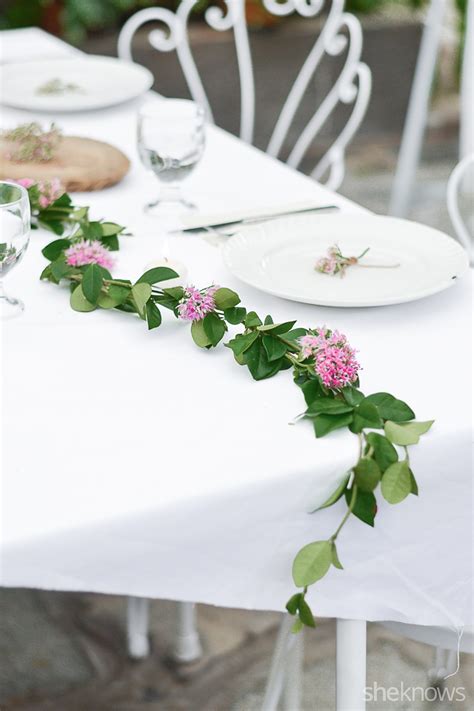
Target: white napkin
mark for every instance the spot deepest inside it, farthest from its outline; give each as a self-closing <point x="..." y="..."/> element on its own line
<point x="196" y="221"/>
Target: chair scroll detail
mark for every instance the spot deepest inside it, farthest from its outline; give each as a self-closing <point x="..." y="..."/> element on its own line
<point x="455" y="184"/>
<point x="341" y="32"/>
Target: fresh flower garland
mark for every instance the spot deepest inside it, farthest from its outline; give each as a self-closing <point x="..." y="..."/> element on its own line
<point x="323" y="364"/>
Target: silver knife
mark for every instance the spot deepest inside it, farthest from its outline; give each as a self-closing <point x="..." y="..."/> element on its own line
<point x="259" y="218"/>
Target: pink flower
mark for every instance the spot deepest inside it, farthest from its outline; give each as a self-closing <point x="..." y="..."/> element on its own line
<point x="334" y="359"/>
<point x="326" y="265"/>
<point x="50" y="190"/>
<point x="196" y="304"/>
<point x="25" y="182"/>
<point x="88" y="252"/>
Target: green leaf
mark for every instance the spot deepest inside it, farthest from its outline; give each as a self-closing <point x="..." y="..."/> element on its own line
<point x="252" y="320"/>
<point x="311" y="390"/>
<point x="293" y="603"/>
<point x="396" y="482"/>
<point x="255" y="358"/>
<point x="366" y="415"/>
<point x="105" y="301"/>
<point x="214" y="328"/>
<point x="153" y="315"/>
<point x="277" y="328"/>
<point x="79" y="302"/>
<point x="295" y="334"/>
<point x="119" y="293"/>
<point x="153" y="276"/>
<point x="312" y="563"/>
<point x="110" y="228"/>
<point x="92" y="281"/>
<point x="367" y="474"/>
<point x="390" y="408"/>
<point x="352" y="396"/>
<point x="413" y="484"/>
<point x="365" y="507"/>
<point x="335" y="558"/>
<point x="242" y="342"/>
<point x="53" y="250"/>
<point x="199" y="335"/>
<point x="297" y="626"/>
<point x="60" y="269"/>
<point x="235" y="315"/>
<point x="329" y="406"/>
<point x="323" y="424"/>
<point x="111" y="243"/>
<point x="176" y="292"/>
<point x="226" y="298"/>
<point x="141" y="292"/>
<point x="274" y="348"/>
<point x="305" y="614"/>
<point x="384" y="451"/>
<point x="335" y="496"/>
<point x="406" y="434"/>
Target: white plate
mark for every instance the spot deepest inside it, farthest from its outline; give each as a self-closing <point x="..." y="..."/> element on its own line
<point x="101" y="82"/>
<point x="279" y="258"/>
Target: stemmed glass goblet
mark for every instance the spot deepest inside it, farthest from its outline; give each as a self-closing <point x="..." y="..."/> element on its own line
<point x="14" y="237"/>
<point x="171" y="140"/>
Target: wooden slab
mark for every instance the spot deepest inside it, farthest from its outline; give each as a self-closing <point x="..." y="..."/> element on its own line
<point x="82" y="164"/>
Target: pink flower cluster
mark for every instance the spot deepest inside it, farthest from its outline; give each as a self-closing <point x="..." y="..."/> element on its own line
<point x="334" y="358"/>
<point x="48" y="190"/>
<point x="88" y="252"/>
<point x="195" y="304"/>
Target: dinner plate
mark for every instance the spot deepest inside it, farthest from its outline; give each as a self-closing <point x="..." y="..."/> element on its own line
<point x="279" y="258"/>
<point x="75" y="84"/>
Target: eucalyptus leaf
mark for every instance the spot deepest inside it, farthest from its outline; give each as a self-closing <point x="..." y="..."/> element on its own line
<point x="293" y="603"/>
<point x="352" y="396"/>
<point x="328" y="405"/>
<point x="105" y="301"/>
<point x="277" y="328"/>
<point x="252" y="320"/>
<point x="119" y="293"/>
<point x="396" y="482"/>
<point x="242" y="342"/>
<point x="274" y="348"/>
<point x="53" y="250"/>
<point x="312" y="563"/>
<point x="413" y="484"/>
<point x="365" y="507"/>
<point x="297" y="626"/>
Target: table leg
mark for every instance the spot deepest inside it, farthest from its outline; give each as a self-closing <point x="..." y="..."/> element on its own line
<point x="137" y="627"/>
<point x="187" y="645"/>
<point x="276" y="677"/>
<point x="351" y="661"/>
<point x="293" y="688"/>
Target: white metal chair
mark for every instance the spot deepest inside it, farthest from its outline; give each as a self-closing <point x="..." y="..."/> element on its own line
<point x="417" y="114"/>
<point x="457" y="181"/>
<point x="340" y="33"/>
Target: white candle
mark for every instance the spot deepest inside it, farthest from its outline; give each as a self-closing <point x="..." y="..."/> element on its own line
<point x="176" y="266"/>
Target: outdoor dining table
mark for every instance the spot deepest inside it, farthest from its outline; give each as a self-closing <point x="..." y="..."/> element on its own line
<point x="135" y="463"/>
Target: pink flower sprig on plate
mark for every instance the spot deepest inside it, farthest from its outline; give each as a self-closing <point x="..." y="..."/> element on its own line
<point x="336" y="262"/>
<point x="197" y="303"/>
<point x="86" y="252"/>
<point x="334" y="359"/>
<point x="30" y="144"/>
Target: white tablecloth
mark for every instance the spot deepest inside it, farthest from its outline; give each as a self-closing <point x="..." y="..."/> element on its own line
<point x="135" y="463"/>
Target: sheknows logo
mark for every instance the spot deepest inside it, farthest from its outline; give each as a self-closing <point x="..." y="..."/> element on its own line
<point x="413" y="693"/>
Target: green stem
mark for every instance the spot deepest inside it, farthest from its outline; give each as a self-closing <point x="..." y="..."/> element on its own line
<point x="347" y="514"/>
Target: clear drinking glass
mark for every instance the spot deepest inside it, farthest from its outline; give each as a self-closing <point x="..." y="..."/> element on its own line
<point x="14" y="238"/>
<point x="171" y="139"/>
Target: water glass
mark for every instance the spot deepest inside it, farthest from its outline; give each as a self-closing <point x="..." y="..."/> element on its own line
<point x="14" y="238"/>
<point x="171" y="140"/>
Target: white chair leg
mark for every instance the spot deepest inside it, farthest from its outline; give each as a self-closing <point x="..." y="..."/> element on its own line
<point x="138" y="644"/>
<point x="293" y="685"/>
<point x="276" y="677"/>
<point x="351" y="663"/>
<point x="187" y="645"/>
<point x="415" y="123"/>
